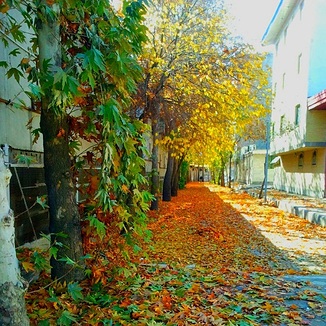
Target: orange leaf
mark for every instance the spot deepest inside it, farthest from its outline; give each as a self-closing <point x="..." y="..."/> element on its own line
<point x="125" y="303"/>
<point x="61" y="133"/>
<point x="268" y="306"/>
<point x="167" y="301"/>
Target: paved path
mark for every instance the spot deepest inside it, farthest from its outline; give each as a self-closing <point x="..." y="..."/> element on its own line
<point x="308" y="208"/>
<point x="304" y="244"/>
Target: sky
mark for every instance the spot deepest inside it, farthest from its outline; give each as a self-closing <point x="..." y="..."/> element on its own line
<point x="251" y="18"/>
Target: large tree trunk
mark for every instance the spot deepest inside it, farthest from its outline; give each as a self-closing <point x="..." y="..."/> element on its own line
<point x="167" y="183"/>
<point x="64" y="215"/>
<point x="12" y="302"/>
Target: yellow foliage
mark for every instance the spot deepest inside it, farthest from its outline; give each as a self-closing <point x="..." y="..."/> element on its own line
<point x="210" y="86"/>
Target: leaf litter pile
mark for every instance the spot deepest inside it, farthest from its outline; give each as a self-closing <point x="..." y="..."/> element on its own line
<point x="206" y="265"/>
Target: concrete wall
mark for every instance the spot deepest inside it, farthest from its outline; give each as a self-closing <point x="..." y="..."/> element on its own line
<point x="307" y="179"/>
<point x="316" y="126"/>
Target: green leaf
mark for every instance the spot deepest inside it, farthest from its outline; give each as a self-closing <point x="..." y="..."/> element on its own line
<point x="67" y="260"/>
<point x="62" y="235"/>
<point x="129" y="145"/>
<point x="75" y="145"/>
<point x="53" y="252"/>
<point x="14" y="52"/>
<point x="87" y="256"/>
<point x="66" y="318"/>
<point x="39" y="261"/>
<point x="111" y="112"/>
<point x="36" y="90"/>
<point x="4" y="64"/>
<point x="42" y="201"/>
<point x="73" y="84"/>
<point x="97" y="56"/>
<point x="60" y="78"/>
<point x="25" y="159"/>
<point x="14" y="72"/>
<point x="98" y="225"/>
<point x="75" y="291"/>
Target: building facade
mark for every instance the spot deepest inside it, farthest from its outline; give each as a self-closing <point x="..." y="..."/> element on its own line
<point x="24" y="157"/>
<point x="250" y="164"/>
<point x="298" y="120"/>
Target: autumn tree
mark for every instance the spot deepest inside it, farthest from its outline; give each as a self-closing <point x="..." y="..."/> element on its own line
<point x="81" y="74"/>
<point x="203" y="84"/>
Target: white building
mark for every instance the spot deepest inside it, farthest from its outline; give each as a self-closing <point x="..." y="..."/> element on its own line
<point x="298" y="130"/>
<point x="16" y="139"/>
<point x="250" y="164"/>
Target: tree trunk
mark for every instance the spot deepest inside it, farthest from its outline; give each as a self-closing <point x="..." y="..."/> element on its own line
<point x="167" y="184"/>
<point x="222" y="177"/>
<point x="12" y="302"/>
<point x="64" y="215"/>
<point x="155" y="184"/>
<point x="176" y="177"/>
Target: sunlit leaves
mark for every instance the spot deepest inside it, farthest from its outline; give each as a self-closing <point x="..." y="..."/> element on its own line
<point x="210" y="85"/>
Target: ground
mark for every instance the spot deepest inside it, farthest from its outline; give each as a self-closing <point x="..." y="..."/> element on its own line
<point x="216" y="258"/>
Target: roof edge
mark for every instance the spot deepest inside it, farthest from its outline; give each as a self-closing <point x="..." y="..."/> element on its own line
<point x="278" y="20"/>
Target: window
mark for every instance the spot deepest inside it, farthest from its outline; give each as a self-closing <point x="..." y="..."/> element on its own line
<point x="282" y="124"/>
<point x="297" y="115"/>
<point x="299" y="63"/>
<point x="300" y="160"/>
<point x="272" y="130"/>
<point x="26" y="185"/>
<point x="314" y="158"/>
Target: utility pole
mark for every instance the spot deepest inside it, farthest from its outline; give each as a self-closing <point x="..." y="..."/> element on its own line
<point x="266" y="157"/>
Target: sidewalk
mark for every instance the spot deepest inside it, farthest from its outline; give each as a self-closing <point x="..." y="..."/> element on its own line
<point x="304" y="243"/>
<point x="309" y="208"/>
<point x="211" y="261"/>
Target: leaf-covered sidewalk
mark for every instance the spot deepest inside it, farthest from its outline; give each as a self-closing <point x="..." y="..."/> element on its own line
<point x="197" y="227"/>
<point x="207" y="265"/>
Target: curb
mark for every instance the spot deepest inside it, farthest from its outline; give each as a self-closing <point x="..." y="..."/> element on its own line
<point x="311" y="214"/>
